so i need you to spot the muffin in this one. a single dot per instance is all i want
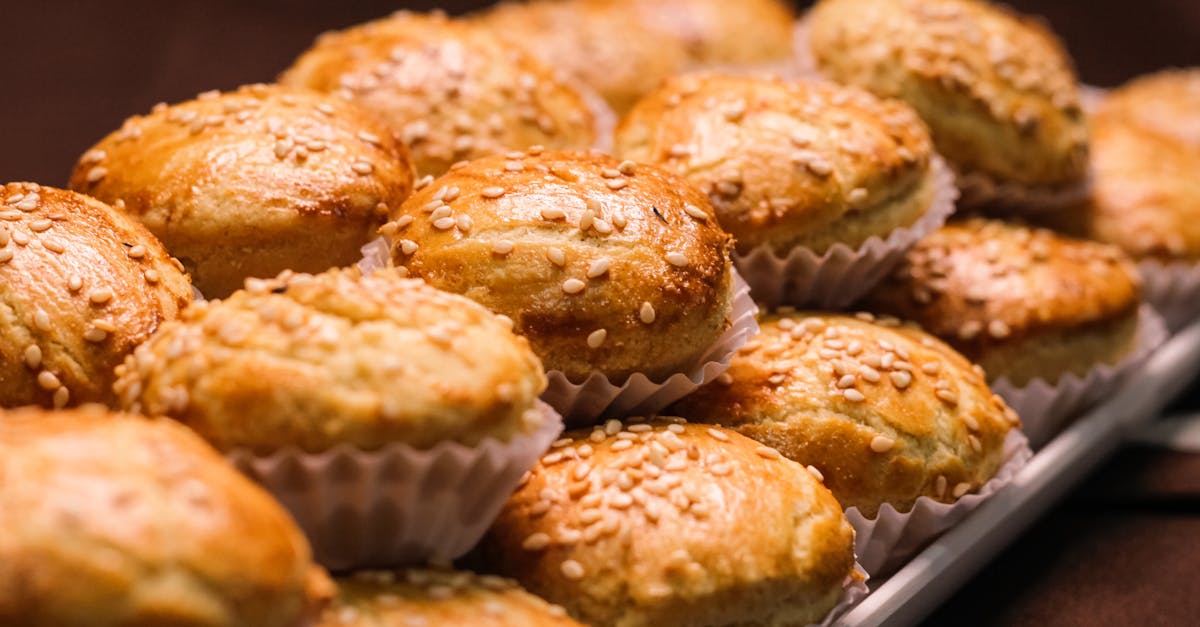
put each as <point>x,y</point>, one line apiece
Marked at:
<point>996,88</point>
<point>604,266</point>
<point>450,90</point>
<point>432,598</point>
<point>116,520</point>
<point>380,372</point>
<point>252,182</point>
<point>624,48</point>
<point>1021,302</point>
<point>82,285</point>
<point>1163,103</point>
<point>654,523</point>
<point>886,414</point>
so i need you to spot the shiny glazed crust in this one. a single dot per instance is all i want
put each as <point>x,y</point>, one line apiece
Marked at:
<point>667,523</point>
<point>987,287</point>
<point>996,88</point>
<point>450,90</point>
<point>111,520</point>
<point>80,286</point>
<point>624,48</point>
<point>886,413</point>
<point>336,358</point>
<point>252,182</point>
<point>787,164</point>
<point>433,598</point>
<point>603,265</point>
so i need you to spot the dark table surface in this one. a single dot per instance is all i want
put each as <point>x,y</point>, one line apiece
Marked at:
<point>1123,550</point>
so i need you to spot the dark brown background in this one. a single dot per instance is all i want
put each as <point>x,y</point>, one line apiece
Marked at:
<point>1124,550</point>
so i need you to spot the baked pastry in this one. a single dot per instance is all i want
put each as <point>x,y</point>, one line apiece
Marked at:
<point>452,91</point>
<point>432,598</point>
<point>670,523</point>
<point>1023,303</point>
<point>605,266</point>
<point>81,285</point>
<point>787,164</point>
<point>337,358</point>
<point>997,89</point>
<point>1163,103</point>
<point>111,520</point>
<point>886,413</point>
<point>624,48</point>
<point>252,182</point>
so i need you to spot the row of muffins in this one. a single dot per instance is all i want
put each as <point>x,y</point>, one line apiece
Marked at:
<point>475,275</point>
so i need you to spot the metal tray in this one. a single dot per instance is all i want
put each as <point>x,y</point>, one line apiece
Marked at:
<point>933,575</point>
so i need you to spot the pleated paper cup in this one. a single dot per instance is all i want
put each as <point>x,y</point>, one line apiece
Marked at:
<point>842,274</point>
<point>1173,289</point>
<point>398,506</point>
<point>980,191</point>
<point>597,397</point>
<point>885,542</point>
<point>854,589</point>
<point>1045,408</point>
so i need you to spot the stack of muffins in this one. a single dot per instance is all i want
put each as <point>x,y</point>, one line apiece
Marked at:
<point>429,246</point>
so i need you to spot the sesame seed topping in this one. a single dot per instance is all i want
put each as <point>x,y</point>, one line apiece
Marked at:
<point>647,314</point>
<point>556,256</point>
<point>767,452</point>
<point>621,445</point>
<point>857,196</point>
<point>882,444</point>
<point>6,255</point>
<point>363,167</point>
<point>946,396</point>
<point>41,320</point>
<point>61,397</point>
<point>931,367</point>
<point>514,166</point>
<point>96,173</point>
<point>718,435</point>
<point>853,395</point>
<point>423,182</point>
<point>679,260</point>
<point>846,381</point>
<point>464,222</point>
<point>408,246</point>
<point>596,338</point>
<point>572,570</point>
<point>695,212</point>
<point>100,296</point>
<point>961,489</point>
<point>901,379</point>
<point>627,167</point>
<point>432,205</point>
<point>616,184</point>
<point>95,335</point>
<point>970,329</point>
<point>502,247</point>
<point>38,226</point>
<point>553,213</point>
<point>610,173</point>
<point>444,224</point>
<point>48,381</point>
<point>151,277</point>
<point>33,356</point>
<point>136,252</point>
<point>971,422</point>
<point>998,329</point>
<point>816,473</point>
<point>403,221</point>
<point>573,286</point>
<point>586,219</point>
<point>976,445</point>
<point>492,192</point>
<point>598,267</point>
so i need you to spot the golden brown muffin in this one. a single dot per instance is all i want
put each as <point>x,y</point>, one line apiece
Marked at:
<point>80,286</point>
<point>996,88</point>
<point>603,265</point>
<point>452,91</point>
<point>252,182</point>
<point>787,164</point>
<point>1164,103</point>
<point>886,413</point>
<point>431,598</point>
<point>669,523</point>
<point>317,361</point>
<point>1023,303</point>
<point>624,48</point>
<point>111,520</point>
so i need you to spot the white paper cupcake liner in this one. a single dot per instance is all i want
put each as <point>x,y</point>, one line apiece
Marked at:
<point>1173,289</point>
<point>842,274</point>
<point>596,397</point>
<point>854,589</point>
<point>398,505</point>
<point>1045,408</point>
<point>980,191</point>
<point>884,543</point>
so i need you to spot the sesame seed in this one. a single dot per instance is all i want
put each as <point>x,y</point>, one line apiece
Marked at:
<point>647,313</point>
<point>853,395</point>
<point>767,452</point>
<point>33,356</point>
<point>816,473</point>
<point>136,252</point>
<point>6,255</point>
<point>940,486</point>
<point>679,150</point>
<point>53,245</point>
<point>553,213</point>
<point>151,277</point>
<point>491,192</point>
<point>616,184</point>
<point>551,459</point>
<point>971,422</point>
<point>679,260</point>
<point>586,219</point>
<point>857,195</point>
<point>976,445</point>
<point>931,367</point>
<point>695,212</point>
<point>408,246</point>
<point>556,256</point>
<point>970,329</point>
<point>96,173</point>
<point>946,396</point>
<point>442,211</point>
<point>598,267</point>
<point>370,138</point>
<point>444,224</point>
<point>596,338</point>
<point>48,381</point>
<point>423,182</point>
<point>61,397</point>
<point>621,445</point>
<point>901,379</point>
<point>432,205</point>
<point>363,167</point>
<point>627,167</point>
<point>514,166</point>
<point>464,223</point>
<point>38,226</point>
<point>572,570</point>
<point>41,320</point>
<point>618,220</point>
<point>502,247</point>
<point>95,335</point>
<point>961,489</point>
<point>12,215</point>
<point>882,444</point>
<point>100,296</point>
<point>610,173</point>
<point>998,329</point>
<point>573,286</point>
<point>718,435</point>
<point>846,381</point>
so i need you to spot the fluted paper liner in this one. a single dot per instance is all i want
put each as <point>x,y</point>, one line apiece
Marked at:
<point>854,589</point>
<point>842,274</point>
<point>884,543</point>
<point>1173,289</point>
<point>398,505</point>
<point>1046,408</point>
<point>597,397</point>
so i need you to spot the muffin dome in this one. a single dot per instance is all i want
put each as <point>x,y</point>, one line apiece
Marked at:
<point>317,361</point>
<point>112,520</point>
<point>887,414</point>
<point>252,182</point>
<point>82,286</point>
<point>450,90</point>
<point>997,90</point>
<point>603,265</point>
<point>787,164</point>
